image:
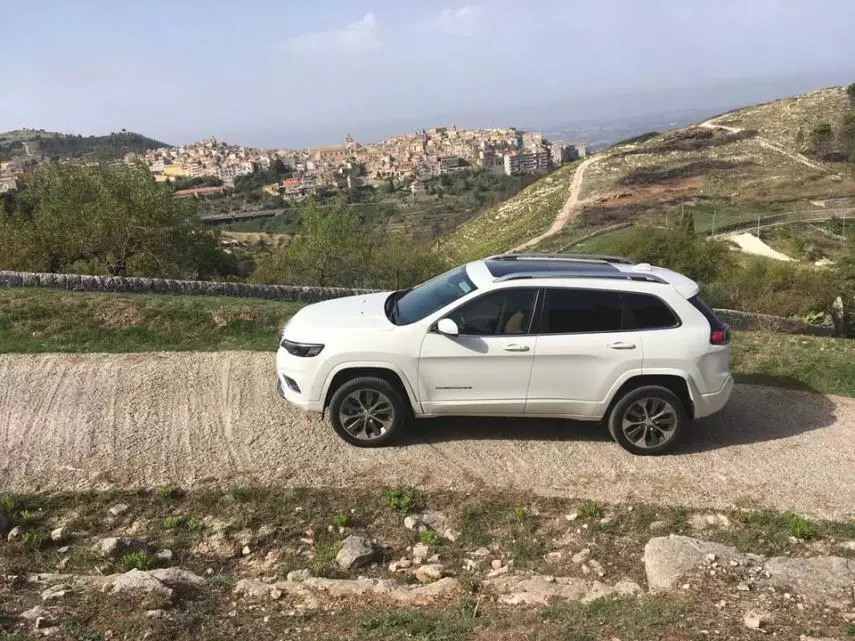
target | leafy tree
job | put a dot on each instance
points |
(115, 221)
(821, 138)
(687, 224)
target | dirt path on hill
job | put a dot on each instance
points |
(768, 144)
(568, 211)
(92, 421)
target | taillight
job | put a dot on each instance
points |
(719, 337)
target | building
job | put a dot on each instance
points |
(418, 189)
(526, 163)
(8, 183)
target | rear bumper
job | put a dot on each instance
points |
(706, 404)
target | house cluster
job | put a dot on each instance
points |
(208, 157)
(10, 171)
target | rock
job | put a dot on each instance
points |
(297, 576)
(496, 564)
(499, 571)
(446, 586)
(826, 579)
(58, 534)
(175, 577)
(252, 588)
(275, 594)
(667, 559)
(63, 550)
(119, 509)
(554, 557)
(216, 546)
(596, 567)
(754, 620)
(743, 587)
(351, 587)
(137, 582)
(540, 590)
(480, 553)
(157, 614)
(55, 592)
(164, 556)
(355, 551)
(115, 548)
(37, 612)
(246, 551)
(710, 557)
(430, 572)
(572, 516)
(15, 534)
(658, 525)
(266, 531)
(63, 563)
(707, 521)
(470, 565)
(50, 632)
(43, 622)
(581, 556)
(421, 551)
(412, 522)
(848, 545)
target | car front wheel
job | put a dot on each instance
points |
(647, 420)
(367, 411)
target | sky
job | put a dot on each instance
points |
(283, 73)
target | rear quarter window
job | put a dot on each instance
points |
(643, 311)
(702, 307)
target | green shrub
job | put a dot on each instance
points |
(800, 527)
(342, 519)
(187, 523)
(398, 500)
(140, 560)
(429, 537)
(590, 510)
(168, 492)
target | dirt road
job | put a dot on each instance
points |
(89, 421)
(569, 208)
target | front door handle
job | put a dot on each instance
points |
(622, 345)
(515, 347)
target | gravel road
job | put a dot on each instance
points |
(94, 421)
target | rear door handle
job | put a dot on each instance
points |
(622, 345)
(515, 347)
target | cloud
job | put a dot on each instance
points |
(355, 37)
(468, 20)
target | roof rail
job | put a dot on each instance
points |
(586, 258)
(610, 275)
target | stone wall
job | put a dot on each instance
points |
(81, 283)
(750, 321)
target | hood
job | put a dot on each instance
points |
(363, 312)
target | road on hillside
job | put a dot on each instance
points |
(568, 211)
(97, 421)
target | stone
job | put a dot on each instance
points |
(540, 590)
(15, 534)
(499, 571)
(710, 557)
(351, 587)
(444, 587)
(58, 534)
(572, 516)
(137, 582)
(743, 587)
(826, 579)
(157, 614)
(480, 553)
(50, 632)
(430, 572)
(63, 550)
(667, 559)
(275, 594)
(246, 551)
(470, 565)
(115, 548)
(37, 612)
(164, 556)
(119, 509)
(421, 551)
(658, 525)
(496, 564)
(554, 556)
(175, 577)
(297, 576)
(63, 563)
(55, 592)
(848, 545)
(581, 556)
(754, 620)
(355, 552)
(707, 521)
(252, 588)
(596, 567)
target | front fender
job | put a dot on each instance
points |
(384, 365)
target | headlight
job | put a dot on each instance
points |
(304, 350)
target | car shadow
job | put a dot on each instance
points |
(754, 414)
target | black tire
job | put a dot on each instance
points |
(649, 435)
(368, 386)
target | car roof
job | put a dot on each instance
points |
(564, 269)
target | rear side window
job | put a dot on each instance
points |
(701, 306)
(642, 311)
(574, 311)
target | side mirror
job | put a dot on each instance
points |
(447, 327)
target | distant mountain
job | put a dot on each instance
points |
(772, 158)
(50, 145)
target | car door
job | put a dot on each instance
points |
(485, 369)
(581, 351)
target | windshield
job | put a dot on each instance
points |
(428, 297)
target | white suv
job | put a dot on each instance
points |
(578, 337)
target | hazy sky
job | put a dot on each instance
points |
(289, 73)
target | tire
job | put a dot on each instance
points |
(630, 421)
(349, 420)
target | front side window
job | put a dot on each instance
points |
(499, 313)
(576, 311)
(642, 311)
(403, 308)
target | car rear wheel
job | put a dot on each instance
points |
(367, 412)
(647, 420)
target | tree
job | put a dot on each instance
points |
(115, 221)
(687, 224)
(821, 138)
(850, 91)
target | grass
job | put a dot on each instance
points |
(140, 560)
(398, 500)
(41, 320)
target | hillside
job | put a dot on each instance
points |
(51, 145)
(761, 160)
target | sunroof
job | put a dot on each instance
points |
(499, 268)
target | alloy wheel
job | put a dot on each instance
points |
(649, 422)
(366, 414)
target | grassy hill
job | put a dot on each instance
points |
(751, 162)
(41, 144)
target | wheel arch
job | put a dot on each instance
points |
(385, 371)
(673, 382)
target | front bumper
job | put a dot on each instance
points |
(297, 380)
(707, 404)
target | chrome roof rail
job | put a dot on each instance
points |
(586, 258)
(609, 275)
